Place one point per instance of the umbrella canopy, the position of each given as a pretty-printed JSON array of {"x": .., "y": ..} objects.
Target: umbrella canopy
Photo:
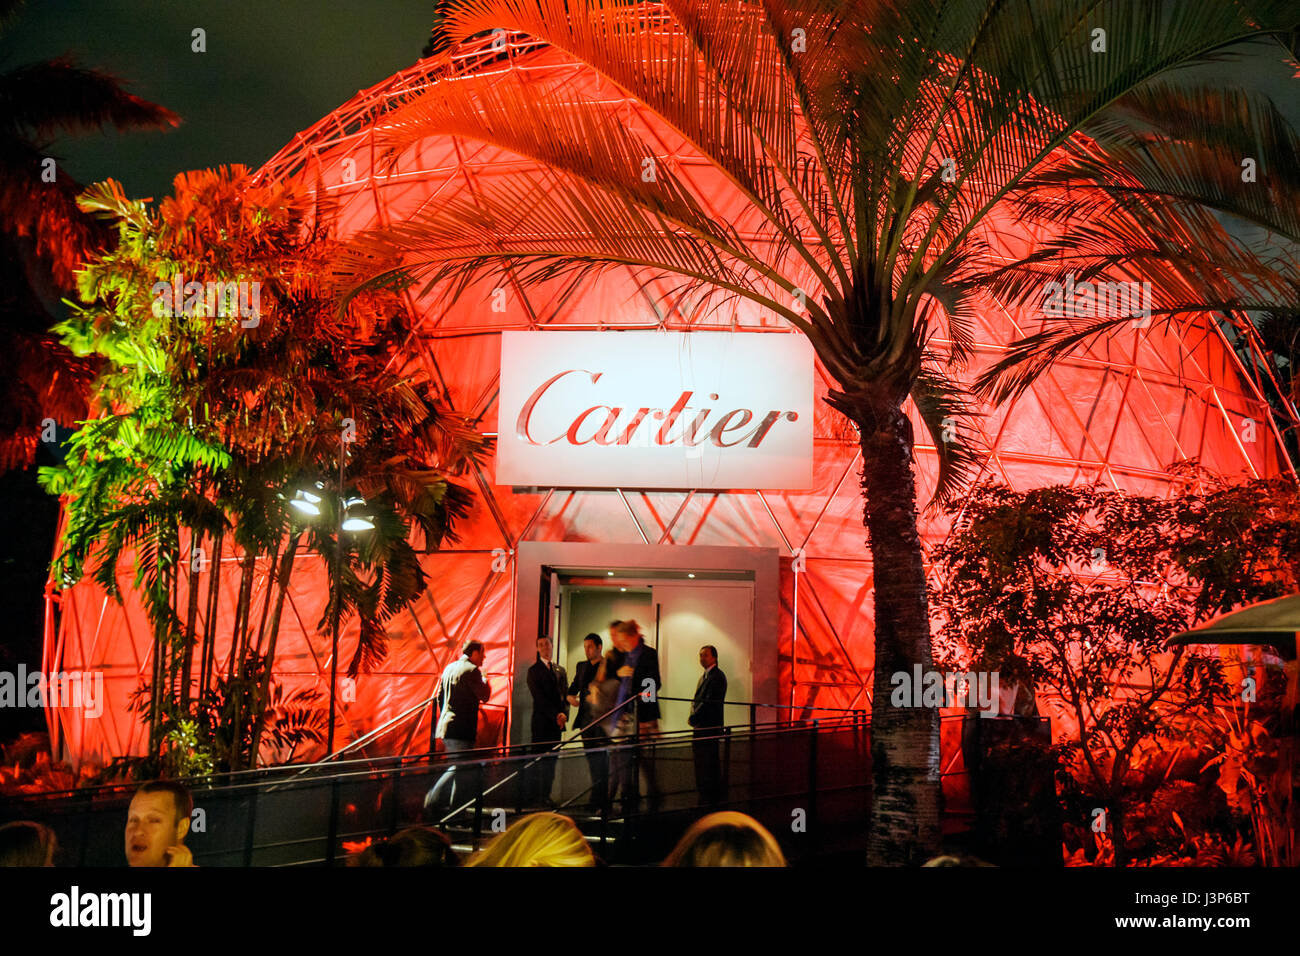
[{"x": 1274, "y": 622}]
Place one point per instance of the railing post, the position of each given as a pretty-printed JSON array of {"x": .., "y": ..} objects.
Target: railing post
[
  {"x": 753, "y": 716},
  {"x": 610, "y": 784},
  {"x": 726, "y": 763},
  {"x": 478, "y": 803},
  {"x": 521, "y": 782},
  {"x": 86, "y": 805},
  {"x": 634, "y": 782},
  {"x": 252, "y": 828},
  {"x": 397, "y": 778},
  {"x": 812, "y": 779},
  {"x": 334, "y": 822}
]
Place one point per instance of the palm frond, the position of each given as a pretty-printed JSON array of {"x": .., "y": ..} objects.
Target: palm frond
[
  {"x": 58, "y": 96},
  {"x": 948, "y": 413}
]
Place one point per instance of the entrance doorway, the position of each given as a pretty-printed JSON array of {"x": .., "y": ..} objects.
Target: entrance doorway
[
  {"x": 678, "y": 617},
  {"x": 683, "y": 597}
]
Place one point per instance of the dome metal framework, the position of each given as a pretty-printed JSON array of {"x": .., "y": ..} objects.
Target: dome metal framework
[{"x": 1118, "y": 413}]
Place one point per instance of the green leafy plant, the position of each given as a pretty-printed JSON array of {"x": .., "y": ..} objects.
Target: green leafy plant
[{"x": 208, "y": 416}]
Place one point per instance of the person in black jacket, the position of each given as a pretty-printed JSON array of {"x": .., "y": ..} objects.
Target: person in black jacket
[
  {"x": 707, "y": 719},
  {"x": 639, "y": 721},
  {"x": 546, "y": 684},
  {"x": 460, "y": 691},
  {"x": 594, "y": 738}
]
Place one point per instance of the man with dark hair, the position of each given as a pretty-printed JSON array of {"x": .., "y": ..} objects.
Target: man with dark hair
[
  {"x": 546, "y": 684},
  {"x": 706, "y": 720},
  {"x": 156, "y": 824},
  {"x": 460, "y": 691},
  {"x": 594, "y": 738},
  {"x": 24, "y": 843},
  {"x": 414, "y": 846}
]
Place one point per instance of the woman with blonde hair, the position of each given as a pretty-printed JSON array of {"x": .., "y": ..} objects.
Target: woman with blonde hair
[
  {"x": 726, "y": 839},
  {"x": 539, "y": 839}
]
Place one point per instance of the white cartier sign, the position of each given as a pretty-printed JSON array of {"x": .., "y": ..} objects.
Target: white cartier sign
[{"x": 655, "y": 410}]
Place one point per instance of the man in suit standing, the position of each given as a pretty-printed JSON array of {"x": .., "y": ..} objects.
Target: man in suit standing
[
  {"x": 706, "y": 719},
  {"x": 639, "y": 720},
  {"x": 546, "y": 683},
  {"x": 461, "y": 689},
  {"x": 594, "y": 738}
]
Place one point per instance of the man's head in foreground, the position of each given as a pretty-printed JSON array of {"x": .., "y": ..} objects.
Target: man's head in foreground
[
  {"x": 156, "y": 825},
  {"x": 475, "y": 651}
]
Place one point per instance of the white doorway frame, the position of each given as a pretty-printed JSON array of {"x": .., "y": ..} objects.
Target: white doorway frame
[{"x": 535, "y": 561}]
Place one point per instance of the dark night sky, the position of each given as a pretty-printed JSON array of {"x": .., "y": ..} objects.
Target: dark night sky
[
  {"x": 271, "y": 68},
  {"x": 275, "y": 67}
]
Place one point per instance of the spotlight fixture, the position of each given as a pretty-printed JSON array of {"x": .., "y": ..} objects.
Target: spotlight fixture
[
  {"x": 354, "y": 521},
  {"x": 691, "y": 575},
  {"x": 304, "y": 502},
  {"x": 609, "y": 573}
]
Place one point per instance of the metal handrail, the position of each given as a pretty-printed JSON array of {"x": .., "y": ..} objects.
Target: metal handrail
[
  {"x": 754, "y": 703},
  {"x": 361, "y": 741},
  {"x": 252, "y": 776},
  {"x": 577, "y": 734}
]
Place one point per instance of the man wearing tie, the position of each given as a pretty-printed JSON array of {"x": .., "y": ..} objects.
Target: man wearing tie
[
  {"x": 547, "y": 684},
  {"x": 707, "y": 719}
]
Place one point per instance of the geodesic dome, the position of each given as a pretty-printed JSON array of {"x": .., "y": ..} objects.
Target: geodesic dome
[{"x": 1118, "y": 413}]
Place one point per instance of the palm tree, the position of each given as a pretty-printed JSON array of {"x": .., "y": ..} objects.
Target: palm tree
[
  {"x": 867, "y": 144},
  {"x": 44, "y": 237}
]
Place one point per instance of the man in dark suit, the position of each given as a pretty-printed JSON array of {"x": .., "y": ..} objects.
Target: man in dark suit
[
  {"x": 639, "y": 719},
  {"x": 707, "y": 720},
  {"x": 546, "y": 683},
  {"x": 460, "y": 691},
  {"x": 594, "y": 739}
]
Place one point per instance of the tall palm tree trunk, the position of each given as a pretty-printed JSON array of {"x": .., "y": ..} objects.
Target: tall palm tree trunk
[
  {"x": 904, "y": 740},
  {"x": 209, "y": 654},
  {"x": 271, "y": 577},
  {"x": 264, "y": 692},
  {"x": 191, "y": 619},
  {"x": 155, "y": 688},
  {"x": 237, "y": 650},
  {"x": 236, "y": 663}
]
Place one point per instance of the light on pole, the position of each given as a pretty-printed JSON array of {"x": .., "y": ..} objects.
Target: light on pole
[{"x": 350, "y": 516}]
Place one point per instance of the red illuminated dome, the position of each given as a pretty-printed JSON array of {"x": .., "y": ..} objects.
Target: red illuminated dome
[{"x": 1118, "y": 414}]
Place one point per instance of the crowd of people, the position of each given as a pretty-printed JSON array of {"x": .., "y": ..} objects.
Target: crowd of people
[
  {"x": 158, "y": 821},
  {"x": 550, "y": 839},
  {"x": 615, "y": 693}
]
